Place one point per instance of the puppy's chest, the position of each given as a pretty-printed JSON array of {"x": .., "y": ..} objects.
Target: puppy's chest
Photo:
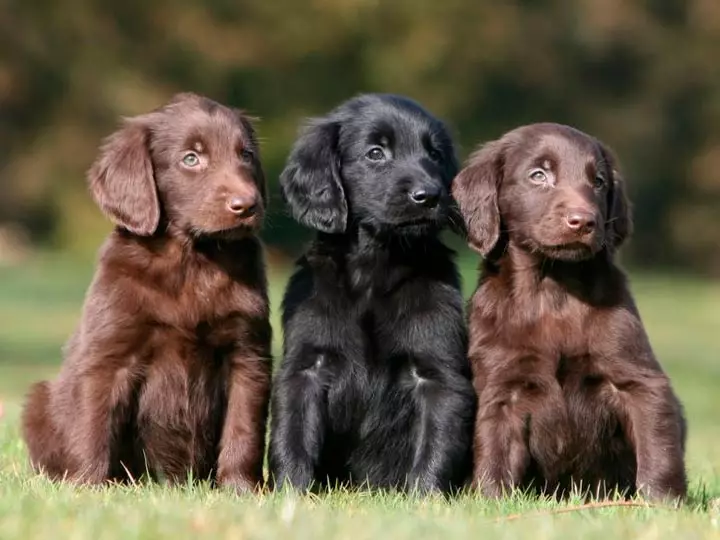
[
  {"x": 213, "y": 311},
  {"x": 540, "y": 344},
  {"x": 545, "y": 326},
  {"x": 387, "y": 328},
  {"x": 391, "y": 361}
]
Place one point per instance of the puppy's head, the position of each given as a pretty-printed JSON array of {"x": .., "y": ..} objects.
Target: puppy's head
[
  {"x": 377, "y": 160},
  {"x": 192, "y": 166},
  {"x": 547, "y": 187}
]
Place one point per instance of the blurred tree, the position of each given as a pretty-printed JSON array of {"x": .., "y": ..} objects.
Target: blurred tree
[{"x": 640, "y": 74}]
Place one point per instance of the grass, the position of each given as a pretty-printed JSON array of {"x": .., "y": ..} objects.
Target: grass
[{"x": 40, "y": 304}]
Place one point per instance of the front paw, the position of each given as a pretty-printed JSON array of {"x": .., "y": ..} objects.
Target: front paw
[
  {"x": 91, "y": 475},
  {"x": 423, "y": 485},
  {"x": 240, "y": 484},
  {"x": 490, "y": 489},
  {"x": 297, "y": 478},
  {"x": 671, "y": 495}
]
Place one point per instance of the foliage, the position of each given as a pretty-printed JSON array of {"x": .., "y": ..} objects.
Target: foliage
[{"x": 640, "y": 74}]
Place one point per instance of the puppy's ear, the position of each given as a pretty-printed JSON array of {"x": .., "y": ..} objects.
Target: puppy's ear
[
  {"x": 122, "y": 182},
  {"x": 248, "y": 124},
  {"x": 311, "y": 184},
  {"x": 451, "y": 168},
  {"x": 619, "y": 224},
  {"x": 476, "y": 191},
  {"x": 456, "y": 220}
]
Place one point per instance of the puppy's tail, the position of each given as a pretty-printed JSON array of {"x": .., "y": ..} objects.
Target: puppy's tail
[{"x": 42, "y": 439}]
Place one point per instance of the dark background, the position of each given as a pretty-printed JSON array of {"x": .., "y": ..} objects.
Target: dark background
[{"x": 642, "y": 75}]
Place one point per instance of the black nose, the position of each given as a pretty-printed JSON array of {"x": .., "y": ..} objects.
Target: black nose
[
  {"x": 427, "y": 197},
  {"x": 242, "y": 206},
  {"x": 581, "y": 221}
]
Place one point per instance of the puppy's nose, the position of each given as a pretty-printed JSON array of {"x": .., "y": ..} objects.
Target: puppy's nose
[
  {"x": 242, "y": 206},
  {"x": 580, "y": 221},
  {"x": 426, "y": 196}
]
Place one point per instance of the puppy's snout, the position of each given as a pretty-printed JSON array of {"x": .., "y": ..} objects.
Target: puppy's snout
[
  {"x": 425, "y": 196},
  {"x": 581, "y": 221},
  {"x": 243, "y": 206}
]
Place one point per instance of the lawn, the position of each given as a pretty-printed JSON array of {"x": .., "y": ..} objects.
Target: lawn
[{"x": 40, "y": 303}]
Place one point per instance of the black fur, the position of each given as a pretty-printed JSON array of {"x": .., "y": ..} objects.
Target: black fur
[{"x": 375, "y": 384}]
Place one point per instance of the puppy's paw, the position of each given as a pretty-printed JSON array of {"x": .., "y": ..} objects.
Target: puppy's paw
[
  {"x": 93, "y": 475},
  {"x": 240, "y": 484},
  {"x": 490, "y": 489},
  {"x": 667, "y": 495},
  {"x": 424, "y": 486}
]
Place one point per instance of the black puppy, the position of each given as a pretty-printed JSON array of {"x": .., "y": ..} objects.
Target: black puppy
[{"x": 375, "y": 384}]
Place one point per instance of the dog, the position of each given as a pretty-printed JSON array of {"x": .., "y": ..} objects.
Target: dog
[
  {"x": 168, "y": 374},
  {"x": 374, "y": 390},
  {"x": 571, "y": 396}
]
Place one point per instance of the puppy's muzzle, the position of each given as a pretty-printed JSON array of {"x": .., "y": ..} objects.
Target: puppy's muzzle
[
  {"x": 243, "y": 206},
  {"x": 426, "y": 196},
  {"x": 580, "y": 221}
]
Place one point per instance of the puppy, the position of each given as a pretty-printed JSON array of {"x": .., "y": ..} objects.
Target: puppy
[
  {"x": 571, "y": 395},
  {"x": 375, "y": 387},
  {"x": 169, "y": 371}
]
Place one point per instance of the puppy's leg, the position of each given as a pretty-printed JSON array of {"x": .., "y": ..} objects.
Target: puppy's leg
[
  {"x": 501, "y": 449},
  {"x": 298, "y": 422},
  {"x": 656, "y": 428},
  {"x": 443, "y": 445},
  {"x": 242, "y": 446},
  {"x": 433, "y": 341},
  {"x": 44, "y": 443},
  {"x": 102, "y": 402},
  {"x": 651, "y": 414}
]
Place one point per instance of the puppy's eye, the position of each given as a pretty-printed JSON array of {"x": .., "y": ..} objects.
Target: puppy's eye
[
  {"x": 599, "y": 182},
  {"x": 376, "y": 154},
  {"x": 539, "y": 176},
  {"x": 191, "y": 159},
  {"x": 434, "y": 154},
  {"x": 246, "y": 154}
]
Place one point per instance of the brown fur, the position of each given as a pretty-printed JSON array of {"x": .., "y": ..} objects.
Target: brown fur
[
  {"x": 570, "y": 393},
  {"x": 168, "y": 372}
]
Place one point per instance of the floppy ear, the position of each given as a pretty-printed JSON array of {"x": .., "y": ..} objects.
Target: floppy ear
[
  {"x": 122, "y": 182},
  {"x": 476, "y": 191},
  {"x": 619, "y": 212},
  {"x": 451, "y": 168},
  {"x": 310, "y": 183},
  {"x": 456, "y": 221},
  {"x": 258, "y": 172}
]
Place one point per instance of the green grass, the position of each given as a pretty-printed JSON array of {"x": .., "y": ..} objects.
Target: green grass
[{"x": 40, "y": 304}]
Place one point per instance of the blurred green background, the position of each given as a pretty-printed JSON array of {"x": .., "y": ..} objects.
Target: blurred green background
[{"x": 642, "y": 75}]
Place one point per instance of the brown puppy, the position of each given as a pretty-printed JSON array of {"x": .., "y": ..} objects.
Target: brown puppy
[
  {"x": 168, "y": 372},
  {"x": 571, "y": 395}
]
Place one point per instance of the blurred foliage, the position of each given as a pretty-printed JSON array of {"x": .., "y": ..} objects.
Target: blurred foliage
[{"x": 642, "y": 75}]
